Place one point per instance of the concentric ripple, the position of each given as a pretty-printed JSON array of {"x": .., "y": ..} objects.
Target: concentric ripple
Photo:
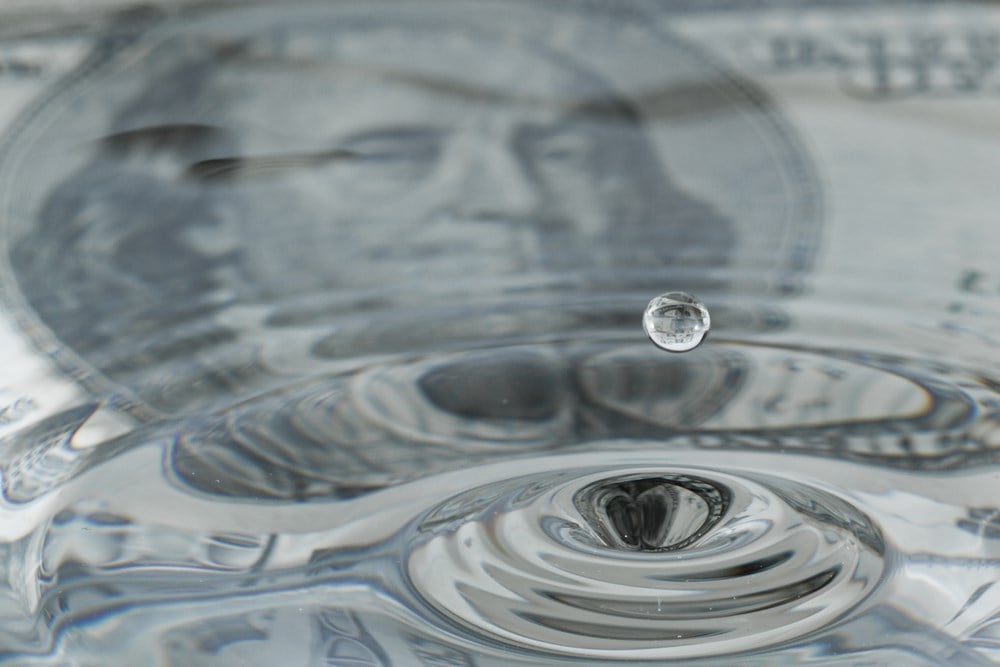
[{"x": 645, "y": 563}]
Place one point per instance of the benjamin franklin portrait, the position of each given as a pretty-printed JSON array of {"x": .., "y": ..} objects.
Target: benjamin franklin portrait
[{"x": 232, "y": 208}]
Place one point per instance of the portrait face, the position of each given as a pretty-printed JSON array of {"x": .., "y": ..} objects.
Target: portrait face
[{"x": 345, "y": 166}]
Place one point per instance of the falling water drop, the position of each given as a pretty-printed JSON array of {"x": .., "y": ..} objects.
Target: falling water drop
[{"x": 676, "y": 322}]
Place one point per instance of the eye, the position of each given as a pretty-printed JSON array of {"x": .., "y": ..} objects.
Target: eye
[
  {"x": 374, "y": 156},
  {"x": 403, "y": 146},
  {"x": 251, "y": 167},
  {"x": 562, "y": 147}
]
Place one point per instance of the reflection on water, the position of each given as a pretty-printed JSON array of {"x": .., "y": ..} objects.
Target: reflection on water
[
  {"x": 723, "y": 565},
  {"x": 364, "y": 281}
]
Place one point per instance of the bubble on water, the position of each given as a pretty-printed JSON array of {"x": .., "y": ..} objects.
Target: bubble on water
[{"x": 676, "y": 322}]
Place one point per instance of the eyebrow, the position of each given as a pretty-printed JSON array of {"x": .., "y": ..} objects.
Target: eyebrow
[{"x": 170, "y": 136}]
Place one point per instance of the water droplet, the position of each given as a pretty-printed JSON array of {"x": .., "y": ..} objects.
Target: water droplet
[{"x": 676, "y": 322}]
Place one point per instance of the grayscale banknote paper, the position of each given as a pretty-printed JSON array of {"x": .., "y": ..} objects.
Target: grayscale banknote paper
[{"x": 332, "y": 312}]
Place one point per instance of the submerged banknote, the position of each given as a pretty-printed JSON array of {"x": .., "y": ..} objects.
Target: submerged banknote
[
  {"x": 302, "y": 253},
  {"x": 202, "y": 206}
]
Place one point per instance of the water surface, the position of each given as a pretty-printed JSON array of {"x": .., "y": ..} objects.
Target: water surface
[{"x": 349, "y": 299}]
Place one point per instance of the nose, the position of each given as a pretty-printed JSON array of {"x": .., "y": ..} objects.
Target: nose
[{"x": 497, "y": 185}]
